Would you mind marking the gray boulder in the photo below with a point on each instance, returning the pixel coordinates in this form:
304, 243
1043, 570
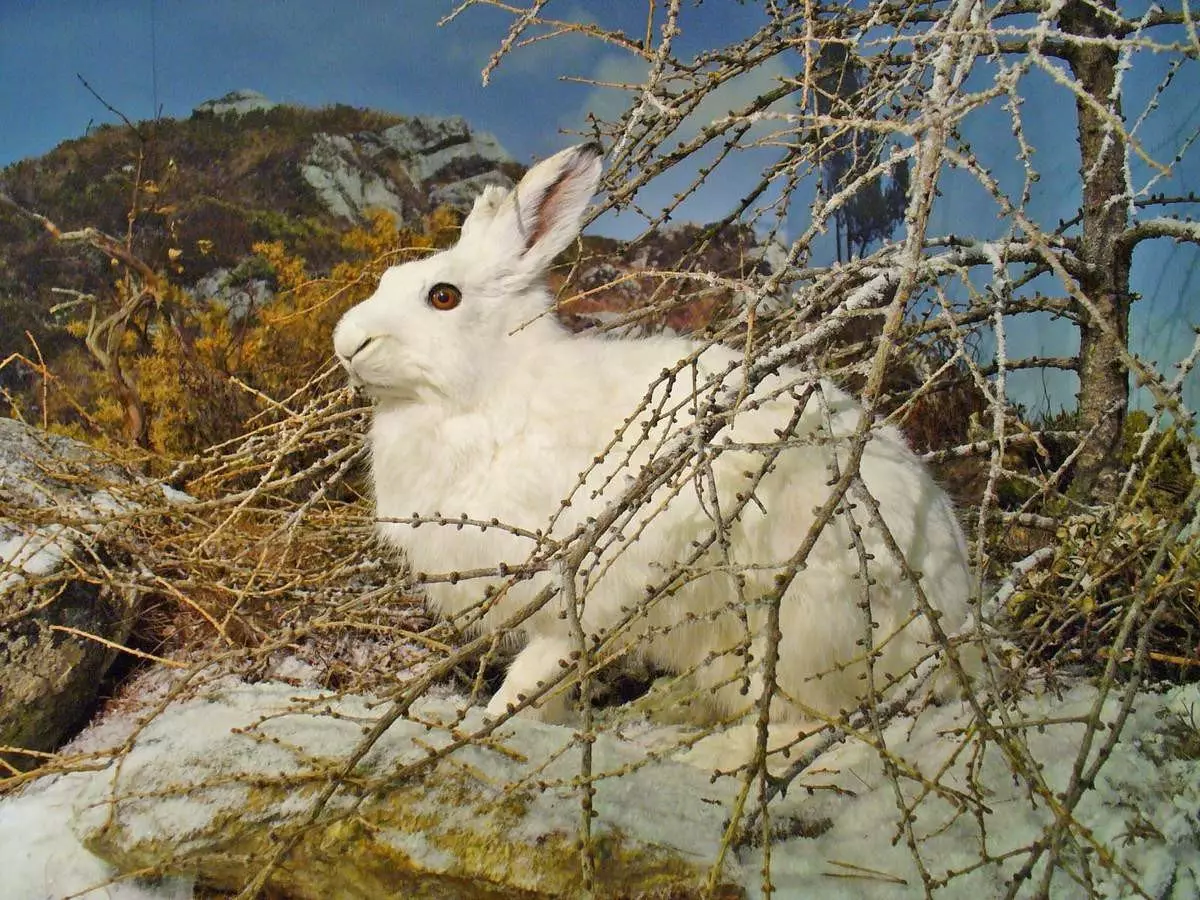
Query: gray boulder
54, 624
240, 297
431, 146
461, 194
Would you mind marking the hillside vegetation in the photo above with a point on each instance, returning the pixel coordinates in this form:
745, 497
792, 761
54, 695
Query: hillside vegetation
240, 267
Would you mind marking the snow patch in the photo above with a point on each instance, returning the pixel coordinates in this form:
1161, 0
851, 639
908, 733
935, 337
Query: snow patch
176, 497
41, 857
34, 553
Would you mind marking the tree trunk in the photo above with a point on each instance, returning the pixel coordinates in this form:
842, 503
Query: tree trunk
1103, 379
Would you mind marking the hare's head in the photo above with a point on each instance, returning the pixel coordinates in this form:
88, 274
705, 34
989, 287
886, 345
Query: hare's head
430, 329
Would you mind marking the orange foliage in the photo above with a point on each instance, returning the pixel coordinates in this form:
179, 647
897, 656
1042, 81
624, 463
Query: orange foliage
202, 384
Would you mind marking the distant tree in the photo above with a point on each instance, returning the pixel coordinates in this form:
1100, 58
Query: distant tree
872, 211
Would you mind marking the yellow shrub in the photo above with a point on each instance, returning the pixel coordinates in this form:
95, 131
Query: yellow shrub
201, 373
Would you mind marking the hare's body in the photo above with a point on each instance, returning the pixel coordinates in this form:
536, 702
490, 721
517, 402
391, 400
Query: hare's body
518, 414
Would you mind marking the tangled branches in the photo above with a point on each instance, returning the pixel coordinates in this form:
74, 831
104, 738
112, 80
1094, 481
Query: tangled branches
1085, 552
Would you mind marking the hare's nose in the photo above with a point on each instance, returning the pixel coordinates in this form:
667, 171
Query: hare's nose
362, 346
349, 340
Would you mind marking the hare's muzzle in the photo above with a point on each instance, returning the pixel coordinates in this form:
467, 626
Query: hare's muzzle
362, 346
349, 341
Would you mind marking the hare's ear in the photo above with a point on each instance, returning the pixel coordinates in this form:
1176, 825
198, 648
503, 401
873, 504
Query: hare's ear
487, 204
541, 216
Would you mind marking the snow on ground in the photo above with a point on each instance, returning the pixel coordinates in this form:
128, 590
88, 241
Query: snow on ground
42, 859
37, 552
1144, 811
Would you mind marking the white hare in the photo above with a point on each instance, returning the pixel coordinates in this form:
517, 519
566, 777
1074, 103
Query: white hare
487, 407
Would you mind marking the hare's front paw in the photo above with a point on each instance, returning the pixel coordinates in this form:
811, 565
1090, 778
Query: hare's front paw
543, 661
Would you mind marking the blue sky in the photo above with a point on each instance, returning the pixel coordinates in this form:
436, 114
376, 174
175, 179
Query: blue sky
384, 54
390, 55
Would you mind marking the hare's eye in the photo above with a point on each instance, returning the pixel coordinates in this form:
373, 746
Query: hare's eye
444, 296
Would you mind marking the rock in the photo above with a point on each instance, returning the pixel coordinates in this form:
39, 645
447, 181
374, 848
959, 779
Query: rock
461, 194
407, 169
431, 146
240, 297
52, 492
236, 102
343, 177
212, 781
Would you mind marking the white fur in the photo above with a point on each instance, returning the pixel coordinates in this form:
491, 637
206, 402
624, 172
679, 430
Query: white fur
493, 409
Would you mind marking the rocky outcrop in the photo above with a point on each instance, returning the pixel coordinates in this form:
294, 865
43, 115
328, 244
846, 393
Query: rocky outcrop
57, 628
236, 102
461, 194
407, 169
445, 150
241, 297
343, 177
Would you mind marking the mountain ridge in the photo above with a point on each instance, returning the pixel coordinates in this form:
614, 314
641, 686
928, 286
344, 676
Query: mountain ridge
237, 159
192, 196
